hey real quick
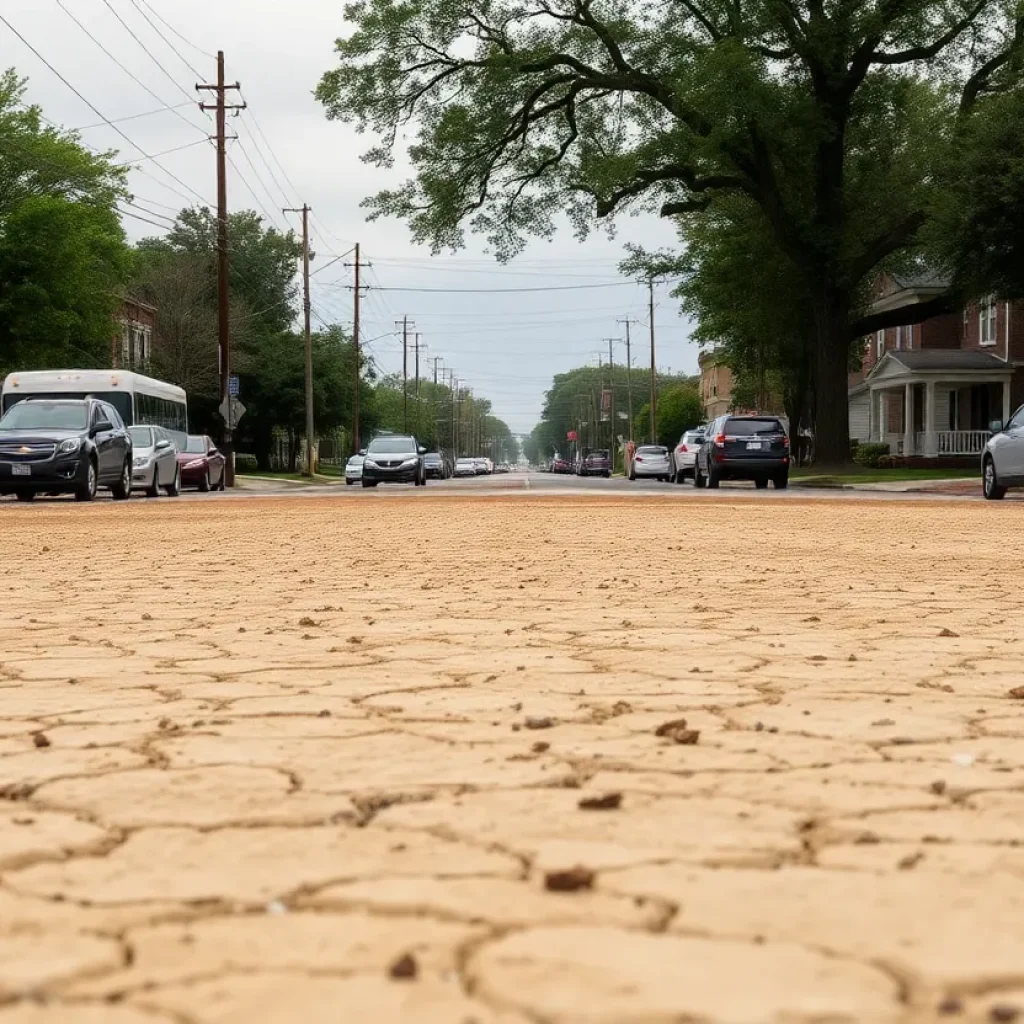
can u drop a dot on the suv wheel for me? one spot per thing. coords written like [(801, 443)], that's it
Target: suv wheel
[(781, 480), (990, 482), (714, 480), (87, 491), (122, 490), (761, 483), (26, 495), (698, 476)]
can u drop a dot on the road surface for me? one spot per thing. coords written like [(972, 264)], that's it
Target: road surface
[(537, 755)]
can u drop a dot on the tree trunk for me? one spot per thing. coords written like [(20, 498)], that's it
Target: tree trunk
[(831, 389), (293, 450)]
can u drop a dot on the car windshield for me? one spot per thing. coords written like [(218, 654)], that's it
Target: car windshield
[(45, 416), (356, 460), (142, 437), (751, 427), (195, 446), (432, 457), (391, 446), (693, 437), (652, 450)]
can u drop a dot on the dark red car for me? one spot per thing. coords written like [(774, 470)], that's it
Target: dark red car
[(202, 465)]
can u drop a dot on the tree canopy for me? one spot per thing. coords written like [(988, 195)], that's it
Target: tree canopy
[(828, 119), (63, 255)]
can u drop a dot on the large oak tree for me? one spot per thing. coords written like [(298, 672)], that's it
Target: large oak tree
[(826, 116)]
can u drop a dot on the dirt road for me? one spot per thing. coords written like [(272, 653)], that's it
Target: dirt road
[(282, 761)]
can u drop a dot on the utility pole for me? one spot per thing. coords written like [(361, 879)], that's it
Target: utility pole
[(304, 210), (223, 291), (405, 370), (629, 372), (417, 385), (611, 388), (435, 361), (654, 384), (355, 339)]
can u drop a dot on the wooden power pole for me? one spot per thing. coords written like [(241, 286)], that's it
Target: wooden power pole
[(358, 375), (654, 372), (221, 90), (304, 210)]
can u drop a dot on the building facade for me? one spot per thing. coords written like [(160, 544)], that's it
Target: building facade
[(131, 348), (716, 381), (936, 389)]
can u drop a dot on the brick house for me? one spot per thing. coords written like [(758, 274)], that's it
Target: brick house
[(933, 389), (131, 347), (716, 382)]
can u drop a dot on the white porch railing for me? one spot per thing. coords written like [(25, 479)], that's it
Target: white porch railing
[(962, 442)]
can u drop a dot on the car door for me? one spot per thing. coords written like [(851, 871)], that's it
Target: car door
[(165, 458), (121, 441), (1009, 453), (104, 440), (216, 460)]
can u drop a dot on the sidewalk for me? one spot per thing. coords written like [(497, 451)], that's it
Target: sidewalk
[(965, 486)]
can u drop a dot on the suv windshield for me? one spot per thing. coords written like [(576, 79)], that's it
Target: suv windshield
[(195, 446), (748, 428), (142, 437), (45, 415), (391, 446)]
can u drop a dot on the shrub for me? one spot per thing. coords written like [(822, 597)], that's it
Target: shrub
[(246, 463), (868, 455)]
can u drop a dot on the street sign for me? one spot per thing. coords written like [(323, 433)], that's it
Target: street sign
[(571, 436), (231, 415), (233, 385)]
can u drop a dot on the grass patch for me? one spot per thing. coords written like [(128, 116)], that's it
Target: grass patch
[(809, 477)]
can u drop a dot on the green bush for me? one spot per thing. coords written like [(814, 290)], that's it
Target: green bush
[(246, 463), (870, 455)]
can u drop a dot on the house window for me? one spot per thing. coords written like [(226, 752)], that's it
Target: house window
[(954, 410), (899, 339), (880, 344), (910, 337), (126, 345), (987, 320)]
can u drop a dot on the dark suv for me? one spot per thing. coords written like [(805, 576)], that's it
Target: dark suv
[(744, 448), (596, 463), (64, 446), (394, 458)]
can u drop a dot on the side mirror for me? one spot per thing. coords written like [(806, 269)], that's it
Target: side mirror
[(996, 426), (362, 451), (422, 451), (103, 427), (162, 446), (212, 451)]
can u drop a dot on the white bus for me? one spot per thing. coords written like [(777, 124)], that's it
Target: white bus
[(140, 400)]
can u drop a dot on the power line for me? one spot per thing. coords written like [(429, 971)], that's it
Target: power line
[(135, 216), (106, 120), (177, 53), (134, 117), (166, 152), (138, 81), (147, 51), (170, 28), (493, 291)]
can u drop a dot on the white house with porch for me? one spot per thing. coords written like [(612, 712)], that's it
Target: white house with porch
[(932, 402)]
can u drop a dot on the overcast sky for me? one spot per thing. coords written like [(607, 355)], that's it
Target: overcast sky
[(505, 344)]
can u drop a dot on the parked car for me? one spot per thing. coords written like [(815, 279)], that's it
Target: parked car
[(394, 459), (155, 462), (354, 470), (64, 446), (744, 448), (683, 457), (433, 466), (465, 467), (1002, 463), (481, 467), (560, 465), (596, 463), (650, 460), (202, 465)]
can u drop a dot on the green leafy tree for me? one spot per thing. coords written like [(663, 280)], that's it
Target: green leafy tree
[(63, 255), (829, 119), (679, 409)]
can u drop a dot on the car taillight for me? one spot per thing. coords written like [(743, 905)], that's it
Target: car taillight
[(720, 441), (683, 448), (785, 442), (637, 459)]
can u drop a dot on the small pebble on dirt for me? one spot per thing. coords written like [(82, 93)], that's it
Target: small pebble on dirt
[(323, 714), (605, 802), (40, 739), (307, 622), (885, 722), (535, 722), (572, 880), (910, 861), (759, 727), (1003, 1012), (948, 632), (540, 747), (1017, 693), (950, 1007), (404, 968), (938, 787), (146, 617)]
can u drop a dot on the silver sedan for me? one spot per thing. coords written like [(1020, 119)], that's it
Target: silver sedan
[(155, 462), (1002, 464), (650, 460)]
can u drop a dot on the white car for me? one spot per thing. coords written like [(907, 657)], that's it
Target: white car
[(465, 467), (354, 470), (683, 457), (154, 462), (650, 460)]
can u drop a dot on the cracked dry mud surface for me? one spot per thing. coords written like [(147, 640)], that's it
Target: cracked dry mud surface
[(299, 760)]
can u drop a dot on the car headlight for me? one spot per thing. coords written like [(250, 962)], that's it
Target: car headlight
[(72, 444), (410, 462), (194, 464), (140, 460), (370, 463)]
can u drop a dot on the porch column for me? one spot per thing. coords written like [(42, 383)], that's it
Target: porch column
[(1007, 411), (908, 420), (931, 437)]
